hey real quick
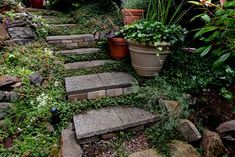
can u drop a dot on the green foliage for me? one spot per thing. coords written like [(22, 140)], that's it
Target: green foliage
[(88, 19), (41, 27), (152, 33), (167, 12), (188, 72), (8, 2), (28, 121), (103, 5), (134, 4), (217, 34)]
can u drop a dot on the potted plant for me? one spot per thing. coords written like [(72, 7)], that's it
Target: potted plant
[(37, 4), (150, 43), (133, 10), (118, 46)]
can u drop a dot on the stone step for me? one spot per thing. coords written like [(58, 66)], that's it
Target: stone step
[(80, 51), (89, 126), (95, 86), (72, 41), (63, 25), (87, 64)]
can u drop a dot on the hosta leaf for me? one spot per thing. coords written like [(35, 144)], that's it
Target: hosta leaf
[(197, 16), (206, 18), (221, 60), (205, 50), (205, 30), (194, 2)]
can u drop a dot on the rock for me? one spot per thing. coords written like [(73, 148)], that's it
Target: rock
[(20, 41), (16, 85), (212, 145), (19, 22), (21, 33), (36, 78), (3, 33), (50, 128), (188, 130), (2, 95), (12, 96), (4, 106), (227, 130), (8, 80), (8, 96), (2, 115), (182, 149), (146, 153), (173, 107), (69, 145), (225, 127), (97, 35)]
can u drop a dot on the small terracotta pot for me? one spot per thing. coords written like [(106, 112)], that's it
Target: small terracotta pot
[(118, 48), (37, 4), (132, 15)]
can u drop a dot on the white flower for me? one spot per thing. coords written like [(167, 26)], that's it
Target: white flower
[(42, 100), (56, 83)]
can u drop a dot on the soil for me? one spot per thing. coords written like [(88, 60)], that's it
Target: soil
[(104, 148), (210, 109)]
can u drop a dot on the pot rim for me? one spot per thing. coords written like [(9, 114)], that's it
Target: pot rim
[(118, 39), (162, 44), (133, 10)]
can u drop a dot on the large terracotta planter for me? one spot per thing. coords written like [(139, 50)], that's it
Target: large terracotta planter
[(132, 15), (118, 48), (37, 4), (148, 60)]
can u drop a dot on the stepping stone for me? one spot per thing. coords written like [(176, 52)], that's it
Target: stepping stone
[(100, 85), (72, 41), (63, 25), (80, 51), (92, 124), (146, 153), (69, 146), (87, 64), (85, 37)]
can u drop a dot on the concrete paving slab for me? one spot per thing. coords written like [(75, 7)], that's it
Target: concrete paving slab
[(82, 84), (117, 80), (87, 64), (80, 51), (132, 116), (96, 122)]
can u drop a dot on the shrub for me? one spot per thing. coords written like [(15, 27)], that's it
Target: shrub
[(217, 36), (153, 32)]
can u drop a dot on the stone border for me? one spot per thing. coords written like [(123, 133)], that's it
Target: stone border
[(112, 92), (96, 86)]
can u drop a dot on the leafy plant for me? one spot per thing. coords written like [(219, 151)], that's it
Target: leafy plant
[(134, 4), (167, 12), (218, 33), (152, 33)]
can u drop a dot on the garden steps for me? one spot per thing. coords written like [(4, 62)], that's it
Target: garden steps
[(88, 64), (72, 41), (80, 51), (101, 85), (63, 25), (93, 125)]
